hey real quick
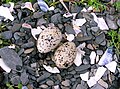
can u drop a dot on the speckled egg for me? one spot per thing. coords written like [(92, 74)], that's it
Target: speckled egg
[(48, 39), (65, 55)]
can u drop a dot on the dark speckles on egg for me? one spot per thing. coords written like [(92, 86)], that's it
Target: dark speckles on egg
[(65, 55), (50, 37)]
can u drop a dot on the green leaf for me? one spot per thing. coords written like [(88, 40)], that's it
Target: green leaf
[(19, 86)]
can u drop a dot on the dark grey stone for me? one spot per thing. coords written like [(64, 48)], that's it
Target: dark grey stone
[(6, 34), (21, 51), (28, 45), (94, 29), (93, 23), (24, 78), (10, 57), (82, 67), (38, 14), (81, 86), (41, 21), (43, 77), (100, 38), (15, 80), (16, 27), (111, 24), (88, 16), (75, 8), (118, 22), (99, 52), (50, 82), (56, 18), (85, 38), (69, 29), (19, 15)]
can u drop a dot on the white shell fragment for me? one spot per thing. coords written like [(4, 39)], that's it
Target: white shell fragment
[(70, 37), (11, 6), (28, 5), (12, 46), (65, 55), (112, 66), (106, 57), (91, 82), (35, 32), (101, 22), (100, 72), (67, 15), (78, 60), (85, 76), (4, 66), (49, 39), (43, 6), (5, 12), (26, 25), (51, 70), (92, 57), (79, 22), (80, 53)]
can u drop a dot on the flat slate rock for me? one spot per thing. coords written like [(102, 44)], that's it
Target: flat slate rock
[(6, 34), (69, 29), (10, 57)]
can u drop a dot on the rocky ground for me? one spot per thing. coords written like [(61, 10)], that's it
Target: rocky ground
[(27, 63)]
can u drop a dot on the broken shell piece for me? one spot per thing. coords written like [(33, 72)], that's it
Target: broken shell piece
[(29, 6), (85, 76), (5, 12), (70, 37), (4, 66), (78, 60), (11, 6), (100, 72), (112, 66), (12, 46), (65, 55), (101, 22), (79, 22), (26, 25), (92, 57), (91, 82), (35, 32), (51, 70), (106, 57), (67, 15)]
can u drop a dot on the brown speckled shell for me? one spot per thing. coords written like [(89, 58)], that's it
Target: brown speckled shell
[(48, 39), (65, 55)]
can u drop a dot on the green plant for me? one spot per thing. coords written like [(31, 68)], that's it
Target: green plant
[(19, 86), (117, 5), (96, 4), (115, 40)]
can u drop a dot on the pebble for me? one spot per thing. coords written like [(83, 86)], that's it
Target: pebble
[(99, 52), (100, 38), (27, 51), (6, 34), (24, 78), (118, 22), (38, 14), (44, 76), (103, 83), (111, 24), (10, 57), (15, 80), (43, 86), (82, 67), (69, 29), (16, 27), (66, 83), (41, 21), (97, 86), (50, 82), (28, 45), (56, 18)]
